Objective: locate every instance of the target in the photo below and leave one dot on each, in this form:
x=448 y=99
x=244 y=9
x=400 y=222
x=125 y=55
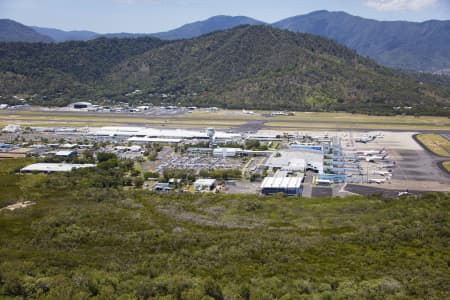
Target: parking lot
x=201 y=162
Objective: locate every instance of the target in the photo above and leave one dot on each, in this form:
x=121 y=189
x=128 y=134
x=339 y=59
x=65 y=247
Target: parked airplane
x=383 y=173
x=376 y=158
x=248 y=112
x=365 y=139
x=388 y=166
x=378 y=181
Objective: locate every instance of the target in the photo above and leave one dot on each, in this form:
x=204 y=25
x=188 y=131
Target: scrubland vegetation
x=91 y=235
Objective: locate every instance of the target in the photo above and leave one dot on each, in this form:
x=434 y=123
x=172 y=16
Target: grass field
x=304 y=120
x=330 y=126
x=80 y=120
x=436 y=143
x=446 y=165
x=226 y=119
x=348 y=117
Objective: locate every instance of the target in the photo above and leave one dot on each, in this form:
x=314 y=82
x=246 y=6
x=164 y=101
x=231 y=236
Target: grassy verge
x=436 y=143
x=347 y=117
x=294 y=125
x=446 y=165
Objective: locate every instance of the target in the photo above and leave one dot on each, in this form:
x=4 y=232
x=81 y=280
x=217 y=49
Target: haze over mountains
x=407 y=45
x=11 y=31
x=399 y=44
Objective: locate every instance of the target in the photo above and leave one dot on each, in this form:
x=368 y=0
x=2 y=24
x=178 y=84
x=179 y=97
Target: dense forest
x=256 y=67
x=91 y=234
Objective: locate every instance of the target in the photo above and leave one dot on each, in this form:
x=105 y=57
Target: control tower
x=211 y=132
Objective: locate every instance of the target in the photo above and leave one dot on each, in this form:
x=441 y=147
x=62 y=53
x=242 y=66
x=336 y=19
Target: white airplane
x=388 y=166
x=378 y=181
x=364 y=140
x=372 y=152
x=383 y=173
x=248 y=112
x=376 y=158
x=404 y=193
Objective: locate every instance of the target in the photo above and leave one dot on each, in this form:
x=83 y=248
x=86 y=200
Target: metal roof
x=158 y=133
x=154 y=140
x=65 y=153
x=205 y=182
x=54 y=167
x=282 y=182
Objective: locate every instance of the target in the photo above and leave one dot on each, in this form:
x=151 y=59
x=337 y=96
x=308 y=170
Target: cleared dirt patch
x=18 y=205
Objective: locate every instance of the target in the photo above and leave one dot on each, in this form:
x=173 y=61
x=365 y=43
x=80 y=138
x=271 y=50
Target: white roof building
x=287 y=185
x=226 y=152
x=68 y=146
x=205 y=184
x=154 y=140
x=66 y=153
x=54 y=167
x=11 y=128
x=157 y=133
x=294 y=160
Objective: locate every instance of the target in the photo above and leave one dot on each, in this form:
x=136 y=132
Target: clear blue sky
x=161 y=15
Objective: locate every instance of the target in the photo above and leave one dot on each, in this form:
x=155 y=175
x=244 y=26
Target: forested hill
x=58 y=73
x=249 y=66
x=400 y=44
x=408 y=45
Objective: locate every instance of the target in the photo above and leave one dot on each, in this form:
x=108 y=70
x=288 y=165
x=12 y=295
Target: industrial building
x=296 y=160
x=147 y=140
x=152 y=133
x=202 y=185
x=11 y=128
x=53 y=167
x=226 y=152
x=282 y=183
x=66 y=153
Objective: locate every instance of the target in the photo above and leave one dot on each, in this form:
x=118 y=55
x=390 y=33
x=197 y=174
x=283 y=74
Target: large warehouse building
x=53 y=167
x=150 y=133
x=291 y=186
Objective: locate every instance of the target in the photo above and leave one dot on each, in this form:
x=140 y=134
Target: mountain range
x=407 y=45
x=11 y=31
x=399 y=44
x=255 y=67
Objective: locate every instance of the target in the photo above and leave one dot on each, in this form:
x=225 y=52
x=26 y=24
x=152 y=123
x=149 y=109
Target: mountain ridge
x=215 y=23
x=421 y=46
x=399 y=44
x=12 y=31
x=59 y=36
